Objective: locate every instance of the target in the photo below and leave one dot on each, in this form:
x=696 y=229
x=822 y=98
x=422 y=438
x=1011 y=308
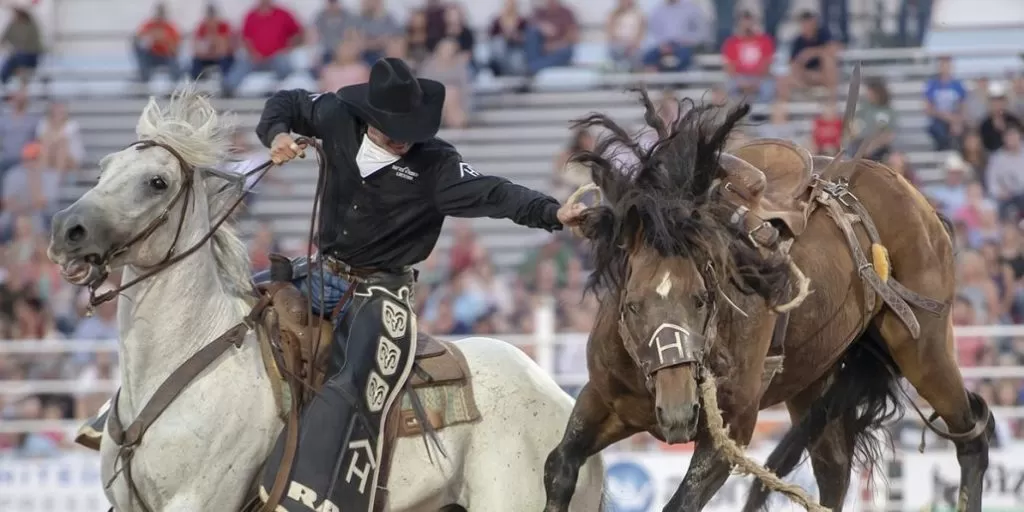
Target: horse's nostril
x=76 y=233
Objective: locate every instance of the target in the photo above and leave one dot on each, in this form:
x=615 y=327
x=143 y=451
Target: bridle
x=673 y=344
x=184 y=194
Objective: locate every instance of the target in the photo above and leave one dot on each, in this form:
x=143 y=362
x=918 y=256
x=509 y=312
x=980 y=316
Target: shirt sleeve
x=461 y=191
x=303 y=112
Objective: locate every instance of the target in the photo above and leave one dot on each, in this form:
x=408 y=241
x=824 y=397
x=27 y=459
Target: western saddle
x=296 y=349
x=771 y=180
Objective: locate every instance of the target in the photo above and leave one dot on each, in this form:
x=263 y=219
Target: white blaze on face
x=665 y=286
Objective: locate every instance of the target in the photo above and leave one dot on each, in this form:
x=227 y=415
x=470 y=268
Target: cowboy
x=390 y=184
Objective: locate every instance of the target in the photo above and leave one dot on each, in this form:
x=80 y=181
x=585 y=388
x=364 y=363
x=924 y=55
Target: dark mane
x=666 y=200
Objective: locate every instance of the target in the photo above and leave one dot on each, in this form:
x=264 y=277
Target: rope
x=803 y=287
x=735 y=456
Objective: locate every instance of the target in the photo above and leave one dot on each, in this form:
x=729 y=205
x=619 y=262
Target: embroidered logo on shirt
x=465 y=169
x=405 y=172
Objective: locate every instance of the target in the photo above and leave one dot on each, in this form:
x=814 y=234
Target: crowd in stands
x=978 y=125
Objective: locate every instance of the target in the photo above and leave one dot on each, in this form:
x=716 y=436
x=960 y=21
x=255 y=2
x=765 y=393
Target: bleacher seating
x=514 y=135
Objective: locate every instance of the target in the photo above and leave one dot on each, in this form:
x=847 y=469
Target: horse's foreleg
x=591 y=427
x=708 y=470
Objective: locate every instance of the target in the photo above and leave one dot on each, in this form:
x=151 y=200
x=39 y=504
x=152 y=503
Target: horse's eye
x=157 y=183
x=633 y=307
x=700 y=300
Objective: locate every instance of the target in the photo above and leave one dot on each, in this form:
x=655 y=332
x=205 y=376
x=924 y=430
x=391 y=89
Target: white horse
x=204 y=452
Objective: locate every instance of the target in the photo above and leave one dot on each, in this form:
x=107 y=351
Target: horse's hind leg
x=930 y=365
x=591 y=428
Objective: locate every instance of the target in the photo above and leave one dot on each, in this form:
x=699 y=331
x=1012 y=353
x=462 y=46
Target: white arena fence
x=639 y=481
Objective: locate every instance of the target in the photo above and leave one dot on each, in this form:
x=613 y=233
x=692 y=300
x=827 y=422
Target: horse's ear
x=222 y=190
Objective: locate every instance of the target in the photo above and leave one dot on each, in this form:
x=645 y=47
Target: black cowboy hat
x=394 y=101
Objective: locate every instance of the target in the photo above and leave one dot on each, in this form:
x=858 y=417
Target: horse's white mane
x=190 y=124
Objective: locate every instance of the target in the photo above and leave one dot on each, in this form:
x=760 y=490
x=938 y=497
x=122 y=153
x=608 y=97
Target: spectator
x=625 y=32
x=63 y=149
x=1011 y=257
x=434 y=11
x=1005 y=176
x=261 y=246
x=456 y=30
x=978 y=287
x=30 y=189
x=32 y=321
x=416 y=38
x=550 y=37
x=968 y=348
x=876 y=123
x=17 y=128
x=465 y=248
x=827 y=132
x=676 y=27
x=100 y=326
x=329 y=26
x=449 y=67
x=945 y=98
x=951 y=194
x=214 y=44
x=973 y=152
x=24 y=42
x=505 y=39
x=377 y=26
x=813 y=59
x=999 y=118
x=748 y=56
x=971 y=212
x=977 y=101
x=347 y=66
x=269 y=33
x=156 y=46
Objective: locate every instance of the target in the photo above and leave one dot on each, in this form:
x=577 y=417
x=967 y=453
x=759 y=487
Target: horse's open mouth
x=82 y=271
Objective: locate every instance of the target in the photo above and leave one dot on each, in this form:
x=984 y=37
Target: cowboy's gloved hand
x=284 y=148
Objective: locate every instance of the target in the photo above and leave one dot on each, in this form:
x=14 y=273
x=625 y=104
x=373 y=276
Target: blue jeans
x=536 y=58
x=17 y=61
x=923 y=10
x=280 y=64
x=835 y=15
x=676 y=59
x=200 y=65
x=334 y=288
x=939 y=130
x=765 y=88
x=148 y=62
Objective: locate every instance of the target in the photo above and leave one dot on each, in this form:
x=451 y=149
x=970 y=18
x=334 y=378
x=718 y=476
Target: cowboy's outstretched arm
x=302 y=112
x=461 y=191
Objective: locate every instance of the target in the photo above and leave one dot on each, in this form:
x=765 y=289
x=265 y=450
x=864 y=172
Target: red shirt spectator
x=749 y=54
x=268 y=30
x=160 y=37
x=827 y=133
x=213 y=38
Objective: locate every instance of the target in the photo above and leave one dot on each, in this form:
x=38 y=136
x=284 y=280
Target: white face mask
x=372 y=158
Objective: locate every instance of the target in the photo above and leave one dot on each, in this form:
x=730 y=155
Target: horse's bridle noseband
x=184 y=193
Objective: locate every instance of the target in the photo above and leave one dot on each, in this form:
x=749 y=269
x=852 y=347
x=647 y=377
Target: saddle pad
x=446 y=405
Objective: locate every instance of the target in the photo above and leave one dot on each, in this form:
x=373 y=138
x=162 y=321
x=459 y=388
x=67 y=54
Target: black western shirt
x=393 y=217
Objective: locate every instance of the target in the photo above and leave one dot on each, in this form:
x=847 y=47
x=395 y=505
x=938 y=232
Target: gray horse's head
x=154 y=198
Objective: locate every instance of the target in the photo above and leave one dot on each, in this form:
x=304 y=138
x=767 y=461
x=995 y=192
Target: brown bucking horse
x=702 y=264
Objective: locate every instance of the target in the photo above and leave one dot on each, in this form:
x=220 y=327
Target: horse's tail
x=863 y=397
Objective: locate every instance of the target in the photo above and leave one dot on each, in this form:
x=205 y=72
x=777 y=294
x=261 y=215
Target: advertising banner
x=644 y=482
x=70 y=483
x=931 y=480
